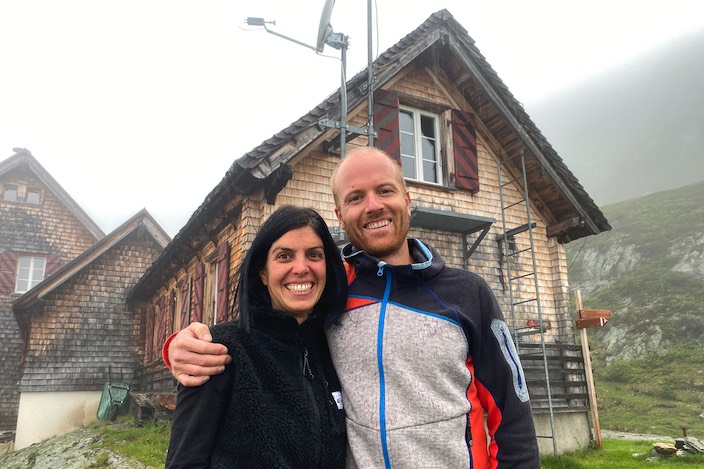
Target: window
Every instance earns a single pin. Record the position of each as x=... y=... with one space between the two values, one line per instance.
x=10 y=194
x=217 y=286
x=413 y=137
x=209 y=305
x=420 y=146
x=21 y=193
x=30 y=271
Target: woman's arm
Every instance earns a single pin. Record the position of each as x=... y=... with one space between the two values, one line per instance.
x=196 y=421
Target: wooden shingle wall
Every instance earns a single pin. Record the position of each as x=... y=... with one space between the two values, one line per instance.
x=46 y=229
x=82 y=334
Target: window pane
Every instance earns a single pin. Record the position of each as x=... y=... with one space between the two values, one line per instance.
x=22 y=285
x=408 y=146
x=10 y=194
x=23 y=269
x=429 y=171
x=406 y=122
x=427 y=126
x=30 y=271
x=37 y=271
x=409 y=167
x=430 y=166
x=428 y=150
x=32 y=197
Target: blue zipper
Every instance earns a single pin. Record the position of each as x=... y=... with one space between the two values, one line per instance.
x=380 y=361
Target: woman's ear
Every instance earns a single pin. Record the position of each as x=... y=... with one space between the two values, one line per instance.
x=263 y=277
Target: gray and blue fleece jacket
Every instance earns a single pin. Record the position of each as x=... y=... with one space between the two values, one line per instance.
x=423 y=352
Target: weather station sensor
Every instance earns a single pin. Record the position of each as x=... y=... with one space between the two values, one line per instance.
x=326 y=36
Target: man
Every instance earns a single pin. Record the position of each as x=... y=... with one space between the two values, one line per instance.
x=422 y=350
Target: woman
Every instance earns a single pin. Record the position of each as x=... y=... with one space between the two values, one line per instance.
x=278 y=403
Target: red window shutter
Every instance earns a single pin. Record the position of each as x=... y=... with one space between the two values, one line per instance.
x=163 y=320
x=223 y=281
x=8 y=264
x=172 y=313
x=464 y=143
x=52 y=265
x=149 y=334
x=386 y=123
x=198 y=283
x=185 y=287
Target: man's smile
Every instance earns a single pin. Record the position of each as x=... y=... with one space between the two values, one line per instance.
x=377 y=224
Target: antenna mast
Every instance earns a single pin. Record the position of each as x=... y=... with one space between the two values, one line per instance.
x=337 y=41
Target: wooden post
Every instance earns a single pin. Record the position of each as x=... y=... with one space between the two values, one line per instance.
x=589 y=376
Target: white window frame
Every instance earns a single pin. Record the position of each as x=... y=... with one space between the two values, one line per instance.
x=418 y=139
x=28 y=276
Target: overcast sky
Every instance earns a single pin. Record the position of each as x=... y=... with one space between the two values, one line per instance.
x=145 y=104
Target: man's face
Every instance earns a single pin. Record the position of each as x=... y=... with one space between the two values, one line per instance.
x=373 y=207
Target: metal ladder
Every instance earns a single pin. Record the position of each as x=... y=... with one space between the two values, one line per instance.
x=520 y=299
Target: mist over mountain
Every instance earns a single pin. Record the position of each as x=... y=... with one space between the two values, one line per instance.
x=649 y=270
x=635 y=129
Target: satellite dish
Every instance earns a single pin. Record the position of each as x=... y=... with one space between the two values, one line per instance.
x=325 y=29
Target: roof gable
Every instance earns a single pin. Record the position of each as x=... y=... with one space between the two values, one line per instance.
x=140 y=220
x=443 y=44
x=22 y=157
x=478 y=85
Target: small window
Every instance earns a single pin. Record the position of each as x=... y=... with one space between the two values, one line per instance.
x=21 y=193
x=10 y=194
x=30 y=271
x=420 y=146
x=32 y=197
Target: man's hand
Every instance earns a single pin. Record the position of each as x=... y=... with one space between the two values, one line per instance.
x=193 y=356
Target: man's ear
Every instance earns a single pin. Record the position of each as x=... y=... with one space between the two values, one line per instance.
x=339 y=218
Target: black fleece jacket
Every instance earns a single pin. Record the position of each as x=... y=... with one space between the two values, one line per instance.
x=274 y=406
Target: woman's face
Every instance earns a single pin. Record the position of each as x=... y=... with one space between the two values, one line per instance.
x=295 y=272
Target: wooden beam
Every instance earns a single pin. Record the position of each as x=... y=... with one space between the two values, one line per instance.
x=588 y=373
x=594 y=314
x=562 y=227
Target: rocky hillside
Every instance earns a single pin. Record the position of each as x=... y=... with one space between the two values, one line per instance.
x=649 y=270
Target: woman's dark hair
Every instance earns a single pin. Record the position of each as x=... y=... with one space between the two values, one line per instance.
x=253 y=295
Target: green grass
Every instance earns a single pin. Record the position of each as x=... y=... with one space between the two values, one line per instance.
x=147 y=444
x=622 y=455
x=659 y=393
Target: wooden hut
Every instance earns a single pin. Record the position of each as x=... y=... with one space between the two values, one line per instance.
x=490 y=194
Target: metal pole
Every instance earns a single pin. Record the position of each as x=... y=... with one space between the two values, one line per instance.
x=370 y=78
x=343 y=100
